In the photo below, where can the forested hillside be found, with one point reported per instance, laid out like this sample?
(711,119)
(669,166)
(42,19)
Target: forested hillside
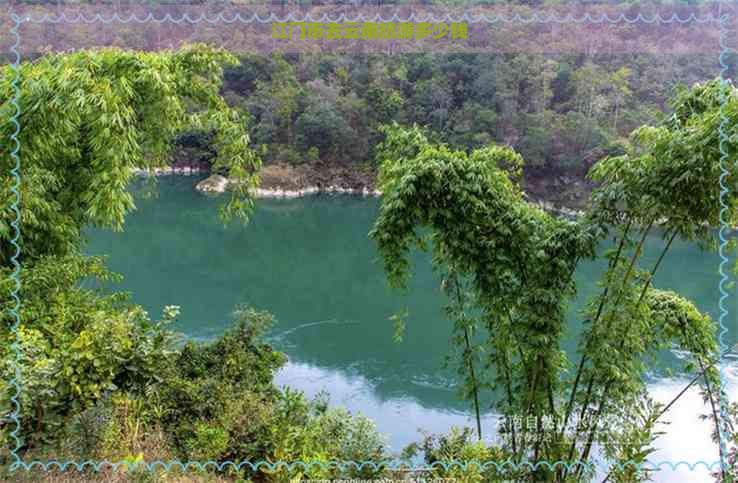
(560,112)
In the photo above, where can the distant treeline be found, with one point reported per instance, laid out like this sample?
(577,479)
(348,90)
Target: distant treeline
(559,111)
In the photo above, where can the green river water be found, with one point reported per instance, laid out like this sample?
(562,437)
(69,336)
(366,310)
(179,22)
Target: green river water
(309,262)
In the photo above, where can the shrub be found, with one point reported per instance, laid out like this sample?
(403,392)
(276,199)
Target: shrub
(455,455)
(76,345)
(221,405)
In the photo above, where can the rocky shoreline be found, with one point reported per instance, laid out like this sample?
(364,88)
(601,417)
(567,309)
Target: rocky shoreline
(288,182)
(181,170)
(219,184)
(313,190)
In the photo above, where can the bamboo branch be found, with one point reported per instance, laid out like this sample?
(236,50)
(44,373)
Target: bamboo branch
(714,413)
(608,385)
(590,384)
(703,371)
(468,355)
(583,360)
(610,382)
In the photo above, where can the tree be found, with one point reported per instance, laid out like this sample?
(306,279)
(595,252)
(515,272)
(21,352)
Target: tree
(621,91)
(97,375)
(670,175)
(322,126)
(278,98)
(76,344)
(519,262)
(89,119)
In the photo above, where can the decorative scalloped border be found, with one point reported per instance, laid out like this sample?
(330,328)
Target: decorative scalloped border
(725,227)
(724,233)
(272,17)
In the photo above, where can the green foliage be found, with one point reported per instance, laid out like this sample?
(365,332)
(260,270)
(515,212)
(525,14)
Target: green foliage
(75,344)
(313,154)
(204,401)
(632,440)
(519,260)
(386,104)
(669,177)
(671,171)
(558,111)
(309,431)
(100,379)
(464,459)
(731,439)
(90,118)
(219,404)
(322,127)
(208,442)
(512,264)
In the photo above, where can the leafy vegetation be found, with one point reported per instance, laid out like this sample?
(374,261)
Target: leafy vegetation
(101,379)
(560,112)
(517,262)
(90,118)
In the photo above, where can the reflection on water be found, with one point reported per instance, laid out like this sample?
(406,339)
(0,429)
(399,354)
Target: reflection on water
(685,439)
(310,263)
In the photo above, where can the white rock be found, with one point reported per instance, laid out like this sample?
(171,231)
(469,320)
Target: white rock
(213,184)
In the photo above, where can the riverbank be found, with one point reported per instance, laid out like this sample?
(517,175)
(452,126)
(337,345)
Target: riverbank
(286,181)
(563,194)
(551,190)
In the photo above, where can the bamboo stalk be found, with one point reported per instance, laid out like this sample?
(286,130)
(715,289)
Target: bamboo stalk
(626,278)
(676,398)
(562,471)
(590,384)
(468,357)
(508,387)
(474,382)
(714,414)
(608,385)
(613,263)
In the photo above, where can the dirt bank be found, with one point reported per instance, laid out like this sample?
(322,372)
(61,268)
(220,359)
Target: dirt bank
(564,193)
(557,190)
(300,177)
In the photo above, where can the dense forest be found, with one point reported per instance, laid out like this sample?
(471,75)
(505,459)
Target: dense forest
(560,112)
(452,139)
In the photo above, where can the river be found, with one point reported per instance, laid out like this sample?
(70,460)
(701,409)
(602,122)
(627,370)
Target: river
(309,262)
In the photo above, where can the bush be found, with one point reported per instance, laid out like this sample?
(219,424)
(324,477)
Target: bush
(77,345)
(104,382)
(463,458)
(221,405)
